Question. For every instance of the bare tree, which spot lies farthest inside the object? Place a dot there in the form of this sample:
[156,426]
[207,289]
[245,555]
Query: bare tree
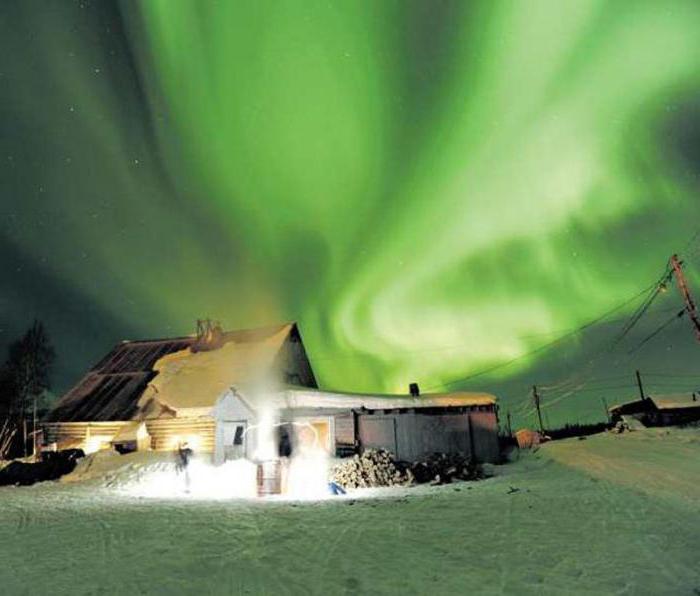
[6,435]
[26,376]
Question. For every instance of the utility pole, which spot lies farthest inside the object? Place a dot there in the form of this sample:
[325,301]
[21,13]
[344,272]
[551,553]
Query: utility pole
[536,400]
[34,429]
[639,384]
[683,288]
[605,407]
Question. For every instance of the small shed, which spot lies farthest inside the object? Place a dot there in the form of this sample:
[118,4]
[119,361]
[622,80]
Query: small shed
[409,427]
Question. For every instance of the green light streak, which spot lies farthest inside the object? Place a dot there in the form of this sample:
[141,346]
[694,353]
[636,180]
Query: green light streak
[495,230]
[428,189]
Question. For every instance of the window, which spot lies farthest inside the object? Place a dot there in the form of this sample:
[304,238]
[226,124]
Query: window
[292,378]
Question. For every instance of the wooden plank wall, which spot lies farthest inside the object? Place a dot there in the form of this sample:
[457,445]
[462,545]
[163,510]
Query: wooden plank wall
[56,432]
[166,433]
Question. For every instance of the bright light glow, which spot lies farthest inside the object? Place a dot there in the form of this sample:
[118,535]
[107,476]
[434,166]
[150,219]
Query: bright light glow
[94,443]
[266,445]
[142,432]
[232,480]
[305,477]
[308,475]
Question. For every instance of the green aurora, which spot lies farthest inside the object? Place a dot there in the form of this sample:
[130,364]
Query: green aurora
[430,188]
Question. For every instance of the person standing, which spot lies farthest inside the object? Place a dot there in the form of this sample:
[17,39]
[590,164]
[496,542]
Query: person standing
[182,462]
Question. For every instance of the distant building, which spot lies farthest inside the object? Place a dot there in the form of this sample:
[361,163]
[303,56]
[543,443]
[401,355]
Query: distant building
[667,410]
[216,390]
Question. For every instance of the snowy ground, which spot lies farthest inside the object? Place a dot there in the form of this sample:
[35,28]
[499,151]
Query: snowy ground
[608,515]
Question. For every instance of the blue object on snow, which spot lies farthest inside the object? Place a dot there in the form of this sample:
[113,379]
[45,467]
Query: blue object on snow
[335,489]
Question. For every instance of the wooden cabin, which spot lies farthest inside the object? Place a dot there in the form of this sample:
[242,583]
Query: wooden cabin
[218,390]
[173,385]
[667,410]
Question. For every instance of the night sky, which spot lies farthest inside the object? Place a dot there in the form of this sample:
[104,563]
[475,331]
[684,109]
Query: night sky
[429,188]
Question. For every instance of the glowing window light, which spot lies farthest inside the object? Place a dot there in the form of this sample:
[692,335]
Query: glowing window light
[95,443]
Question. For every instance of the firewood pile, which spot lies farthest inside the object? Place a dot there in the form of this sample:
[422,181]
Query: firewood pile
[441,468]
[379,468]
[371,469]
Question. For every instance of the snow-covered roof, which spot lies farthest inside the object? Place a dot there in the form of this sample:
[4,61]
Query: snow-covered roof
[113,389]
[188,379]
[298,398]
[663,402]
[677,401]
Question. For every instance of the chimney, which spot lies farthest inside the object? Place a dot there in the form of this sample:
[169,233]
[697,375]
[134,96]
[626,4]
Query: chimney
[210,336]
[414,390]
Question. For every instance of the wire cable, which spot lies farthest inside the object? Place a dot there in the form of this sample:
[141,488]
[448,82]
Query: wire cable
[654,333]
[571,386]
[644,307]
[548,345]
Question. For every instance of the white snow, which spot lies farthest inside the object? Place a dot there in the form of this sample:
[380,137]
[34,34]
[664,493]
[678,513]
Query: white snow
[608,515]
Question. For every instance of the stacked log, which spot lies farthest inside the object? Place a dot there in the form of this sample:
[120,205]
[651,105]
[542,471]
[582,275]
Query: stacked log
[373,468]
[376,468]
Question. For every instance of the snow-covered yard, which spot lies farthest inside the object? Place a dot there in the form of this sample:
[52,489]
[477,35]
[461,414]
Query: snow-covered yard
[608,515]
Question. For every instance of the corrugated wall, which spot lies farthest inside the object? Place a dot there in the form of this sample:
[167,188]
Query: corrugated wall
[484,427]
[345,430]
[414,435]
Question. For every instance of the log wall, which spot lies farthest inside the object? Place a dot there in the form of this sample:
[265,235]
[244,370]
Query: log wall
[166,433]
[58,432]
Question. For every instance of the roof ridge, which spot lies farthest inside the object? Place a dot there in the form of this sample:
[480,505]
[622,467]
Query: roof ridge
[277,326]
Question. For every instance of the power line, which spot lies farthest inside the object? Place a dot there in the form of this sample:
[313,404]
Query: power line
[672,375]
[577,382]
[692,240]
[655,290]
[644,307]
[609,322]
[658,330]
[548,345]
[571,381]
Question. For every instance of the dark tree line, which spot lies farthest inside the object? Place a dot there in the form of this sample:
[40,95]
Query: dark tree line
[25,379]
